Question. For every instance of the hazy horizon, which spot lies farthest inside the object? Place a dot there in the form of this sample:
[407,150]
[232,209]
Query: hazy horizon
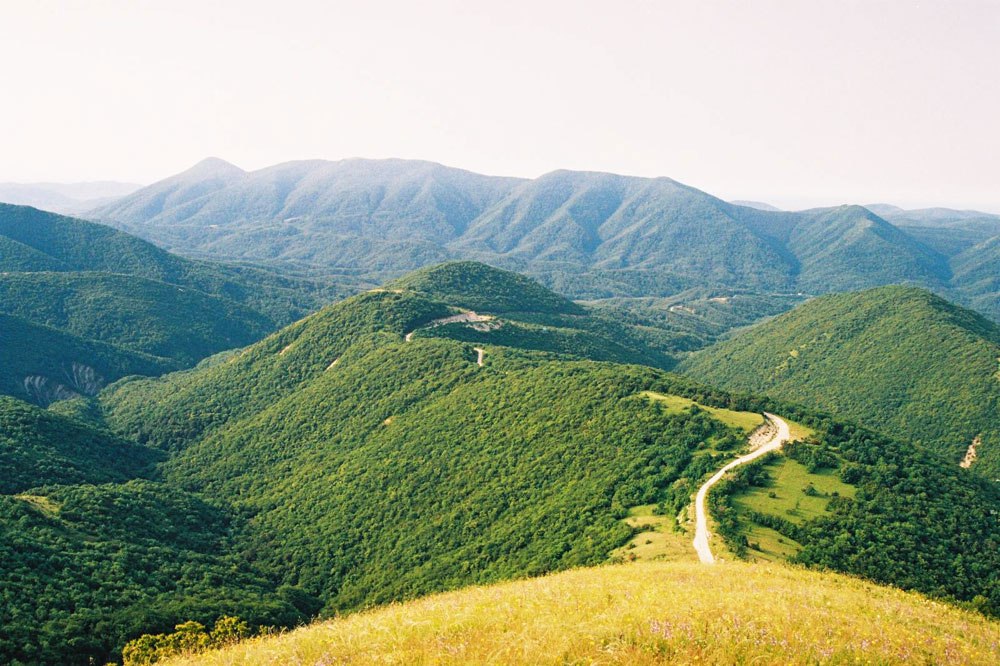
[792,104]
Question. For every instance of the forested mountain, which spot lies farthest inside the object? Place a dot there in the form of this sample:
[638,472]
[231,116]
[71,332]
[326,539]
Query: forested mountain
[92,552]
[433,433]
[588,235]
[33,240]
[134,313]
[897,359]
[85,304]
[42,364]
[355,214]
[378,465]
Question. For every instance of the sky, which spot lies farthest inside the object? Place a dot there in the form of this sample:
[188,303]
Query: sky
[793,102]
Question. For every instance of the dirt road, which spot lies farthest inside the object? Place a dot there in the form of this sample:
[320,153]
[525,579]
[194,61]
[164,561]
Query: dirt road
[701,535]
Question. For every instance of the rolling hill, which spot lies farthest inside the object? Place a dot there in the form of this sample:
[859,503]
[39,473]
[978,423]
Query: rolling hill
[372,453]
[302,431]
[643,614]
[587,235]
[94,551]
[42,364]
[897,359]
[134,313]
[36,241]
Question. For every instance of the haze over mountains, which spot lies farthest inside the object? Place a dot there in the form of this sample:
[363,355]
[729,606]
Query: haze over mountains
[589,235]
[65,198]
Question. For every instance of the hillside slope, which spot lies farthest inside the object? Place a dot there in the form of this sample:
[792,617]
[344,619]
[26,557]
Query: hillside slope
[93,552]
[897,359]
[369,454]
[79,297]
[344,426]
[39,448]
[42,364]
[134,313]
[35,241]
[644,614]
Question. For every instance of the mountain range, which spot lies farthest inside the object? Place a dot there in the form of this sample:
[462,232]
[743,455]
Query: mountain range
[340,398]
[588,235]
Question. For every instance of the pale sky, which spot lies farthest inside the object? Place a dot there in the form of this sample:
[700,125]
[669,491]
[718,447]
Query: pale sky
[793,102]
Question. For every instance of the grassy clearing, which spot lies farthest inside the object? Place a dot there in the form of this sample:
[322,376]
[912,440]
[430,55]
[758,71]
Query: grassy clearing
[745,421]
[41,504]
[798,431]
[770,545]
[645,613]
[786,497]
[656,539]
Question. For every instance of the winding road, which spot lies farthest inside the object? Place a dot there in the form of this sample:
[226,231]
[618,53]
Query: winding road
[781,435]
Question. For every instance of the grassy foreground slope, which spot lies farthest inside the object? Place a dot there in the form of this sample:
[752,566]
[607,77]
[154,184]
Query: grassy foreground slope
[665,613]
[897,359]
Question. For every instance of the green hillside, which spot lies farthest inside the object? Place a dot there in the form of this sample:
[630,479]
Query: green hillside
[42,364]
[134,313]
[364,454]
[92,552]
[39,448]
[84,305]
[476,286]
[42,241]
[897,359]
[87,567]
[850,247]
[342,462]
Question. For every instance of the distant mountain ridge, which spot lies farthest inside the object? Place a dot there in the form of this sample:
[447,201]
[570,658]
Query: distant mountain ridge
[587,234]
[65,198]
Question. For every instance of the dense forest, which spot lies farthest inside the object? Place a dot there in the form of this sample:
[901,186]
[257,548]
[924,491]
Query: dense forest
[341,463]
[82,305]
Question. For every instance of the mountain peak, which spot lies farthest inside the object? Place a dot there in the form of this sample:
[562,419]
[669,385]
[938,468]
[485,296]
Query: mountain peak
[477,286]
[213,167]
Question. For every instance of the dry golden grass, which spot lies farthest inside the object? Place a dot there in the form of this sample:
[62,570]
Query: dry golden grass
[645,613]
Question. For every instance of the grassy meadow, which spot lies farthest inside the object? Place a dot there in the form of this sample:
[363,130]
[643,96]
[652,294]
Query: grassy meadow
[643,613]
[745,421]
